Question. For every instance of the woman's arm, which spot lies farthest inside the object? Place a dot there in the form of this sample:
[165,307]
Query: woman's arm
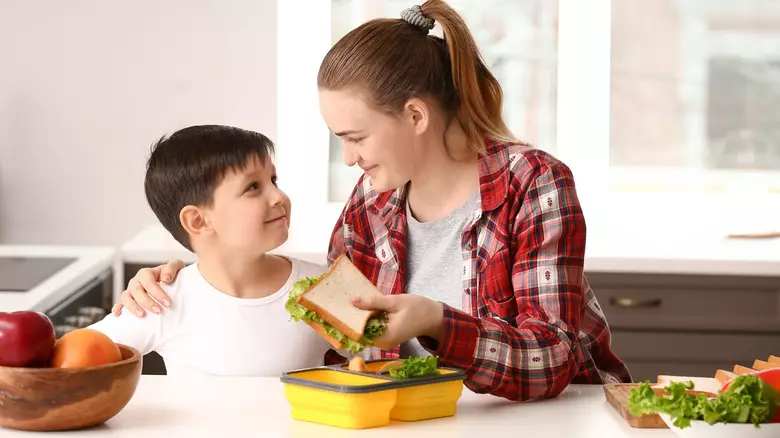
[542,355]
[143,292]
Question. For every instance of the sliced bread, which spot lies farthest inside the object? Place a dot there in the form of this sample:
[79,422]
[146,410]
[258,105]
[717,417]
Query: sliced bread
[331,298]
[321,330]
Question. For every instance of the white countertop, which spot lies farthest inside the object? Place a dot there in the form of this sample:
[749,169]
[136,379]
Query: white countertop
[615,248]
[89,263]
[154,244]
[166,407]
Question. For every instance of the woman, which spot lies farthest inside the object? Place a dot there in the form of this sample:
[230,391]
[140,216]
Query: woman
[476,240]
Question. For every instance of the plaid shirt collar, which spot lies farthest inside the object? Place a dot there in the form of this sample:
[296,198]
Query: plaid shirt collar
[493,185]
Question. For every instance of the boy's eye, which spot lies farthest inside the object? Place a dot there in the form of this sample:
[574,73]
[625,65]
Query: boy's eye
[250,187]
[274,180]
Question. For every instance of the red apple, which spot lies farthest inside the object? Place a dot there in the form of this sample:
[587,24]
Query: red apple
[26,339]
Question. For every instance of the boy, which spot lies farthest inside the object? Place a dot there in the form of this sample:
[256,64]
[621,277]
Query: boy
[214,189]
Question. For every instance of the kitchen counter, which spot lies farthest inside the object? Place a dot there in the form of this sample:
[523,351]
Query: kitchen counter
[89,263]
[252,407]
[154,244]
[615,248]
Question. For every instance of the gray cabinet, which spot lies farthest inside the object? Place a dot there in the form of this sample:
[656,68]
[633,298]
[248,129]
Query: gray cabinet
[689,324]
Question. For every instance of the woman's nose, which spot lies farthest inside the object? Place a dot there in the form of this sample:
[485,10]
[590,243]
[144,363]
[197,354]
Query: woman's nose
[350,156]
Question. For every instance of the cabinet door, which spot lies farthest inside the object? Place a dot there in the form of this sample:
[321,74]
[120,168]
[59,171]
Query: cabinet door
[689,325]
[688,302]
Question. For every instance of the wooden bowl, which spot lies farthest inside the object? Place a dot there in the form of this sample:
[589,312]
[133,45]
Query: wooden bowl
[48,399]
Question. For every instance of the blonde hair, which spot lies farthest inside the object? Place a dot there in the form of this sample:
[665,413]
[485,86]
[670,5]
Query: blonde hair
[393,60]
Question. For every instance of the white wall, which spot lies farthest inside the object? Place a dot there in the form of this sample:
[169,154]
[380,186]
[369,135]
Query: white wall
[87,86]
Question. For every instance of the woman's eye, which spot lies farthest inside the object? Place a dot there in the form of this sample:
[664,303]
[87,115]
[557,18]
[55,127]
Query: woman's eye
[354,140]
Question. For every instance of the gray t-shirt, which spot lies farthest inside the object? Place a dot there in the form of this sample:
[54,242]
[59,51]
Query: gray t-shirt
[435,261]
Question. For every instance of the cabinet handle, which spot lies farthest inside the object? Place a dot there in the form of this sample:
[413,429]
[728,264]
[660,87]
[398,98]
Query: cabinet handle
[765,235]
[633,303]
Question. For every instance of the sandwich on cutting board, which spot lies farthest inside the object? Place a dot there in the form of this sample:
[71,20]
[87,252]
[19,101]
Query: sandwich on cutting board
[325,303]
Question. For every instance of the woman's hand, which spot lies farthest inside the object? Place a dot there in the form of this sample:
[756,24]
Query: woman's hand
[408,316]
[143,287]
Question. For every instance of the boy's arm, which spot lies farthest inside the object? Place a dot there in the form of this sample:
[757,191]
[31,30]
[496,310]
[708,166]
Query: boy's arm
[143,334]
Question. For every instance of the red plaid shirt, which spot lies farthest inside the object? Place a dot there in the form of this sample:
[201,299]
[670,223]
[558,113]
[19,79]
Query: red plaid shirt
[530,323]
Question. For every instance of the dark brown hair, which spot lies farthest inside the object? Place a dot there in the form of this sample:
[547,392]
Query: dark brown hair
[185,169]
[393,61]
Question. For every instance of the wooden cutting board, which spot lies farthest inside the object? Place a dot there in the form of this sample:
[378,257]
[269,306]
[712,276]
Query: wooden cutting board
[617,396]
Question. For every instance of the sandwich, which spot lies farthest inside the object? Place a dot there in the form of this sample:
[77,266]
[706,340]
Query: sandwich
[324,302]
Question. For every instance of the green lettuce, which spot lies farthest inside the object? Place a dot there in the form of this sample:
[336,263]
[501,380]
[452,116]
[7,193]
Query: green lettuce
[413,367]
[374,327]
[748,400]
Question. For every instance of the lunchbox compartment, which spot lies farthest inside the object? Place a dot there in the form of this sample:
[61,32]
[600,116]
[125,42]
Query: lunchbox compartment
[420,398]
[425,402]
[333,397]
[337,396]
[334,380]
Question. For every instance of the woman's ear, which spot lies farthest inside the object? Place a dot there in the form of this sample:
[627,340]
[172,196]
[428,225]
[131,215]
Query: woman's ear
[194,220]
[417,112]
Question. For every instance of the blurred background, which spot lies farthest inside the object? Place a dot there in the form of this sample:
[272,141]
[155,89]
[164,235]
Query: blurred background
[667,111]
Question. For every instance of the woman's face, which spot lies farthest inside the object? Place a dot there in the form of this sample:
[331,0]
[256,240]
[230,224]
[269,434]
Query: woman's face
[382,145]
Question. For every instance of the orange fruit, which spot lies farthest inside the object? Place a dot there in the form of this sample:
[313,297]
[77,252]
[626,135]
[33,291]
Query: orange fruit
[84,348]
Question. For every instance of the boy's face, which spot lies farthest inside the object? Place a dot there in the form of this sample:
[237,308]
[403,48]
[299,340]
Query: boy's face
[250,215]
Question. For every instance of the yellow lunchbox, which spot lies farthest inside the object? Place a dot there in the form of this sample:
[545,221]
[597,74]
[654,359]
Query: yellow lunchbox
[337,396]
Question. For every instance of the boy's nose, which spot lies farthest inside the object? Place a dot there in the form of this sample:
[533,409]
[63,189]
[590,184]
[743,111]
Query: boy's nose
[278,197]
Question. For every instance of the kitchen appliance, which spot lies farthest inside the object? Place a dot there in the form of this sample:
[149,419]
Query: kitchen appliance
[89,303]
[20,274]
[84,307]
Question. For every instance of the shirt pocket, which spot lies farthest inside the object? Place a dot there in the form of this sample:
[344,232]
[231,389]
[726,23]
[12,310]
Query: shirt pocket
[377,261]
[384,252]
[496,288]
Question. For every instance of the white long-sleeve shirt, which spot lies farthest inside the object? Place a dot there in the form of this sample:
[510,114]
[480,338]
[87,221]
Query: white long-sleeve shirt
[209,332]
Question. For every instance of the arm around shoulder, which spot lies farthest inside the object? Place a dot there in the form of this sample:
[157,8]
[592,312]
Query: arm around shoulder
[144,334]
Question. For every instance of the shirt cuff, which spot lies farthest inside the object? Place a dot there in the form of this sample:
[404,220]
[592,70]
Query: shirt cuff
[459,335]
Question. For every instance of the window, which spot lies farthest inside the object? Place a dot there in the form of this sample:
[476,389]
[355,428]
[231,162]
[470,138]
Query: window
[695,92]
[743,113]
[657,106]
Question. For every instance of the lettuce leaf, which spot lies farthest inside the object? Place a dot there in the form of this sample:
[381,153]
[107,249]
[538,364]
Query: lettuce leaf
[748,400]
[414,367]
[374,328]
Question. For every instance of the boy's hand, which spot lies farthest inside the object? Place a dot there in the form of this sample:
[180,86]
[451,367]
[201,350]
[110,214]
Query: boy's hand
[408,316]
[143,287]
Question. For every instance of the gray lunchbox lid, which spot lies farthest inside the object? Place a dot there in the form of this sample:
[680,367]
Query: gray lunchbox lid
[388,384]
